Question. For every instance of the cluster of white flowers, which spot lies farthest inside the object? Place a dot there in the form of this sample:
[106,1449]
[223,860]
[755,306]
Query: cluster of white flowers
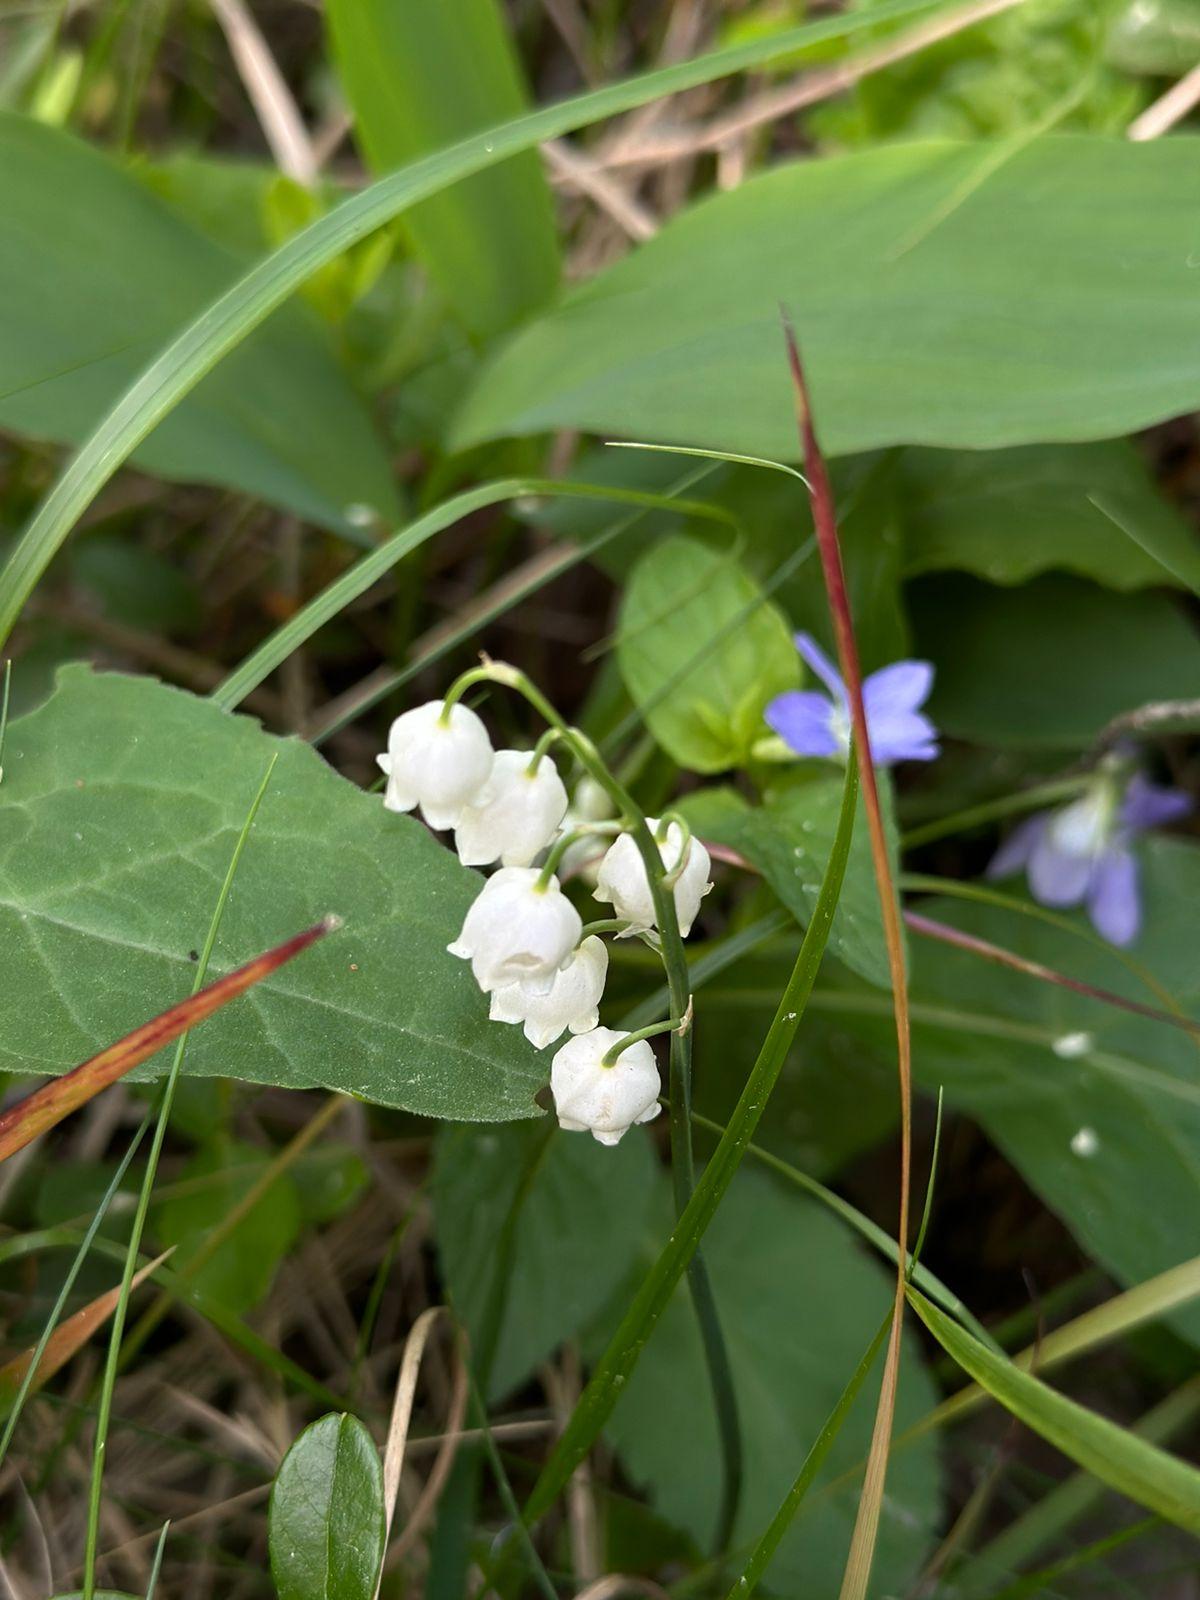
[523,937]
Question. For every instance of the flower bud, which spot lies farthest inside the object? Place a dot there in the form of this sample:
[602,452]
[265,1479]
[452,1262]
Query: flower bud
[516,932]
[515,815]
[439,766]
[573,1001]
[623,881]
[603,1101]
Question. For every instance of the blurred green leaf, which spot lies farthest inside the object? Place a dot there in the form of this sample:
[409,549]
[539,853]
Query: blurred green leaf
[419,77]
[1008,515]
[120,802]
[1050,663]
[1159,1481]
[702,651]
[135,584]
[788,838]
[327,1517]
[578,1231]
[329,1179]
[210,1185]
[1156,36]
[774,1258]
[95,273]
[936,288]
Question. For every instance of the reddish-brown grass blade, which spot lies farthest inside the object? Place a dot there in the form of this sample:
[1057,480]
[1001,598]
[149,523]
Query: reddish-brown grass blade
[67,1339]
[48,1105]
[862,1548]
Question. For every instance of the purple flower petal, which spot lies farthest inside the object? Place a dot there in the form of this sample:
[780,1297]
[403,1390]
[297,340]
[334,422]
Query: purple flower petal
[1114,904]
[820,663]
[803,720]
[904,686]
[1016,850]
[901,736]
[1147,806]
[1058,877]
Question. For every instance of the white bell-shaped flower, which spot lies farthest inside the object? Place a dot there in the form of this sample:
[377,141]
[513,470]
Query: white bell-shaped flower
[518,932]
[515,815]
[438,765]
[623,882]
[589,803]
[604,1101]
[573,1001]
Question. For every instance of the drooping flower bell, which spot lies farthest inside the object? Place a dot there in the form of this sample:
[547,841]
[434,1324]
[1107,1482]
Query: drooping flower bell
[623,883]
[812,725]
[436,761]
[1081,852]
[518,930]
[572,1003]
[604,1101]
[515,815]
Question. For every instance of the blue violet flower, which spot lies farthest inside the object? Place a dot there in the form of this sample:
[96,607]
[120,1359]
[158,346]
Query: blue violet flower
[1081,852]
[811,725]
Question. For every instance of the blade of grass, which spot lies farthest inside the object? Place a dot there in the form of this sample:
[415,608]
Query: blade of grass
[166,1099]
[1133,1466]
[4,713]
[1039,1584]
[866,1527]
[64,1293]
[610,1372]
[337,595]
[156,1568]
[224,324]
[46,1106]
[29,1371]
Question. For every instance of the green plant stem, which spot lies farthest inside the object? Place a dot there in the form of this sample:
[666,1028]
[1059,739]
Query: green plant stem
[670,1025]
[993,810]
[108,1384]
[683,1171]
[610,1372]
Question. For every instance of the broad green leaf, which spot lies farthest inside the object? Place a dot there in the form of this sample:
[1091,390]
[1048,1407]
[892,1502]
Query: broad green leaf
[1007,515]
[96,273]
[120,804]
[418,77]
[211,1184]
[327,1520]
[788,839]
[938,292]
[183,361]
[577,1232]
[1049,663]
[1091,1104]
[702,651]
[1156,37]
[1161,1482]
[773,1258]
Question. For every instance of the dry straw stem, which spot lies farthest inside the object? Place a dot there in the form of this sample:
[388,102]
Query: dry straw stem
[866,1527]
[807,90]
[48,1105]
[1168,109]
[280,120]
[401,1418]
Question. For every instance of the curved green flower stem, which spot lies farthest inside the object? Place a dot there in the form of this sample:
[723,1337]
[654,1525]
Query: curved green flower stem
[117,1333]
[611,1371]
[671,1025]
[683,1171]
[585,830]
[1006,805]
[604,925]
[542,748]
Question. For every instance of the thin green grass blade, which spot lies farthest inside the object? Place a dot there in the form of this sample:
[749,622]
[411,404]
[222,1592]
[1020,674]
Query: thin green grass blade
[598,1399]
[1162,1483]
[108,1384]
[760,1556]
[359,578]
[219,329]
[159,1551]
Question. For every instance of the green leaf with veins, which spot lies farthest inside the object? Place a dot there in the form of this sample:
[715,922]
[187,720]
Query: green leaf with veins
[327,1517]
[702,651]
[120,803]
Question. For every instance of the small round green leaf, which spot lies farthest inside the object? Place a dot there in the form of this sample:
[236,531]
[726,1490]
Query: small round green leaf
[327,1519]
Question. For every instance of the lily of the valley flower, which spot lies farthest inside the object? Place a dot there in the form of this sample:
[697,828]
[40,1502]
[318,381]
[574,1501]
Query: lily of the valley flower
[623,882]
[515,815]
[1081,852]
[572,1003]
[811,725]
[437,762]
[604,1101]
[518,931]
